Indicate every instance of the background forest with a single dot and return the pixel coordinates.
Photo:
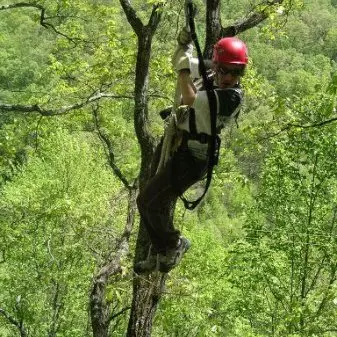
(263, 260)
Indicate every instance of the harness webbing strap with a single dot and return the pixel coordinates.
(213, 148)
(191, 122)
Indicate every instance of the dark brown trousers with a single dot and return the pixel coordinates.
(158, 198)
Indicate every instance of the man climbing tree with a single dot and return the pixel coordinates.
(195, 155)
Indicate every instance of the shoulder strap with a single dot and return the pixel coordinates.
(191, 122)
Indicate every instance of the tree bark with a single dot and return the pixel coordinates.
(213, 26)
(147, 291)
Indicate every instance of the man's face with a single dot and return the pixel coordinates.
(228, 75)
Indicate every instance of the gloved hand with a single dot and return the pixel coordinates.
(181, 57)
(184, 37)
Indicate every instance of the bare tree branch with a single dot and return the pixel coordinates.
(110, 153)
(62, 110)
(155, 16)
(13, 321)
(132, 17)
(43, 18)
(57, 306)
(252, 19)
(324, 258)
(21, 5)
(113, 316)
(301, 126)
(215, 30)
(100, 316)
(136, 22)
(325, 298)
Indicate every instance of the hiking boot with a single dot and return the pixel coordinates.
(173, 257)
(146, 266)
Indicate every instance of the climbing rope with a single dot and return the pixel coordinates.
(171, 122)
(214, 141)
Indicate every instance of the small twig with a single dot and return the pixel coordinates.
(14, 322)
(110, 153)
(301, 126)
(112, 317)
(252, 20)
(43, 18)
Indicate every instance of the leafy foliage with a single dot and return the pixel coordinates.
(288, 254)
(51, 213)
(263, 260)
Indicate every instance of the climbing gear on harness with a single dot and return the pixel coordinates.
(172, 135)
(230, 50)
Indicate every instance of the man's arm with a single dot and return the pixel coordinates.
(188, 90)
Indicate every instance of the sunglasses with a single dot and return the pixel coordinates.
(234, 72)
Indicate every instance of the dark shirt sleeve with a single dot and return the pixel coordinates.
(230, 101)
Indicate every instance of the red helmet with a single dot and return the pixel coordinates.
(230, 50)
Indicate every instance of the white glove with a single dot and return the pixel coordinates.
(181, 57)
(184, 37)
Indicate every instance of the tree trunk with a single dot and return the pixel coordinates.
(147, 291)
(213, 26)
